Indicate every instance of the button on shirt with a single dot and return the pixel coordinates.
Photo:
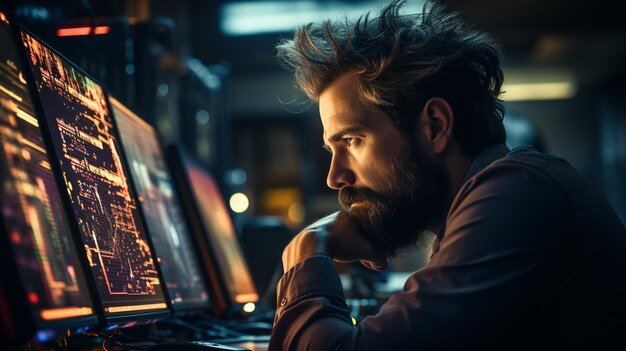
(529, 255)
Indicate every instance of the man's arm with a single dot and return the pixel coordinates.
(495, 270)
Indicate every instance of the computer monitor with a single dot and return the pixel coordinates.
(43, 284)
(202, 197)
(163, 215)
(106, 219)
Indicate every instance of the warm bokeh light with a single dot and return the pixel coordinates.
(285, 202)
(239, 202)
(249, 307)
(296, 213)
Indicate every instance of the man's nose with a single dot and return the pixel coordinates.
(339, 174)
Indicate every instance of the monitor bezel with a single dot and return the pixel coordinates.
(16, 294)
(178, 155)
(187, 308)
(108, 321)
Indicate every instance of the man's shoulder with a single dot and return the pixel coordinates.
(522, 182)
(529, 158)
(523, 167)
(525, 178)
(527, 167)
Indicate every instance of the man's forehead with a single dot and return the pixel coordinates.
(349, 116)
(340, 107)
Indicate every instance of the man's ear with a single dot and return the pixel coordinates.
(437, 124)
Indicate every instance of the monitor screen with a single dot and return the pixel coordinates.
(39, 238)
(87, 147)
(221, 233)
(164, 218)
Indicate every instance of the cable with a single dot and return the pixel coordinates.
(122, 341)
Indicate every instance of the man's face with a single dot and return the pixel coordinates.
(393, 191)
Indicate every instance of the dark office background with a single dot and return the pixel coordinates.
(219, 90)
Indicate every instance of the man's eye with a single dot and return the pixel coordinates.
(349, 141)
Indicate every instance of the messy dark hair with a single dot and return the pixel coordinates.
(401, 61)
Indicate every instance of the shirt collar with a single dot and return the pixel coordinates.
(484, 158)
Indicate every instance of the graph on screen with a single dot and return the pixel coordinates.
(88, 150)
(164, 218)
(33, 216)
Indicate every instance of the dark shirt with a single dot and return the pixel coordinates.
(530, 255)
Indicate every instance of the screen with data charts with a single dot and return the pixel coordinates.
(88, 152)
(158, 200)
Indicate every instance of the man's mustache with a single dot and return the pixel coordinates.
(350, 195)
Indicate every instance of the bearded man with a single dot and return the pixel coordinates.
(527, 253)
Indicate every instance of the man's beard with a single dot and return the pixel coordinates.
(409, 204)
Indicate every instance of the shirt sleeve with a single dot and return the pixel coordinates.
(494, 271)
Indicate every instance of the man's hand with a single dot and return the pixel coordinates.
(335, 236)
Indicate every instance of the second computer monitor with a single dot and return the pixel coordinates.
(164, 217)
